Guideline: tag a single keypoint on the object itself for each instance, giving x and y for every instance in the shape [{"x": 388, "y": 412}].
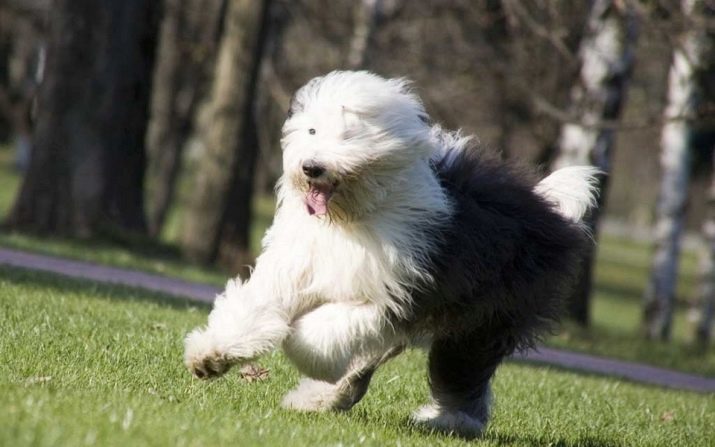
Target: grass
[
  {"x": 85, "y": 364},
  {"x": 9, "y": 180},
  {"x": 621, "y": 274}
]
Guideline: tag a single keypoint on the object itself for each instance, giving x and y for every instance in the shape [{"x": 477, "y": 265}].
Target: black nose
[{"x": 313, "y": 169}]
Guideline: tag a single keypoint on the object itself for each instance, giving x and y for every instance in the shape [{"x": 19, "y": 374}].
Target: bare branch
[
  {"x": 518, "y": 13},
  {"x": 543, "y": 105}
]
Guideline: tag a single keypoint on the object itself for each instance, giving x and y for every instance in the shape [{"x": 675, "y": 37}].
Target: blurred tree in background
[
  {"x": 219, "y": 210},
  {"x": 22, "y": 60},
  {"x": 689, "y": 85},
  {"x": 606, "y": 54},
  {"x": 704, "y": 306},
  {"x": 190, "y": 32},
  {"x": 87, "y": 164}
]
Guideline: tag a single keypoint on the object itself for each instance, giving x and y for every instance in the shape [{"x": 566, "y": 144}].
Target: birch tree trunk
[
  {"x": 706, "y": 287},
  {"x": 224, "y": 178},
  {"x": 690, "y": 58},
  {"x": 189, "y": 36},
  {"x": 606, "y": 54}
]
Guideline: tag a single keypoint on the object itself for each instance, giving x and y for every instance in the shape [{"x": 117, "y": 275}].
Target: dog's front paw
[{"x": 203, "y": 357}]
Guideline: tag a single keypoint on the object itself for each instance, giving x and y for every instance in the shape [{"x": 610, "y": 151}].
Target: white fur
[
  {"x": 323, "y": 285},
  {"x": 241, "y": 327},
  {"x": 311, "y": 395},
  {"x": 449, "y": 421},
  {"x": 325, "y": 342},
  {"x": 370, "y": 134},
  {"x": 573, "y": 190}
]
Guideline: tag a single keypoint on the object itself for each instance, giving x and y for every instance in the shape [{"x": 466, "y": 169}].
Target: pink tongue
[{"x": 317, "y": 201}]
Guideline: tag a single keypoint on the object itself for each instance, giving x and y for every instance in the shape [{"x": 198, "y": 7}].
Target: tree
[
  {"x": 692, "y": 60},
  {"x": 87, "y": 166},
  {"x": 706, "y": 287},
  {"x": 21, "y": 66},
  {"x": 367, "y": 13},
  {"x": 606, "y": 54},
  {"x": 219, "y": 211},
  {"x": 190, "y": 31}
]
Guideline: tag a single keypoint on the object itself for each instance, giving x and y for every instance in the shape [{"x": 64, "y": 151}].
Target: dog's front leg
[
  {"x": 338, "y": 346},
  {"x": 248, "y": 320}
]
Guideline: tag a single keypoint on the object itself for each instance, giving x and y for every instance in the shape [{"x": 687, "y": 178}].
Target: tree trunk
[
  {"x": 87, "y": 166},
  {"x": 507, "y": 102},
  {"x": 124, "y": 108},
  {"x": 689, "y": 60},
  {"x": 606, "y": 54},
  {"x": 367, "y": 13},
  {"x": 272, "y": 102},
  {"x": 220, "y": 207},
  {"x": 189, "y": 36},
  {"x": 706, "y": 288}
]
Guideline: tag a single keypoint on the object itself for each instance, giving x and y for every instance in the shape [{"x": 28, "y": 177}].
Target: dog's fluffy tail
[{"x": 573, "y": 190}]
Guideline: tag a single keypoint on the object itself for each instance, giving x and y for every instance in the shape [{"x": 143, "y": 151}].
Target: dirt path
[{"x": 552, "y": 357}]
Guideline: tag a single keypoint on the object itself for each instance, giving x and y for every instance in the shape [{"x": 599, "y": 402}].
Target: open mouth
[{"x": 317, "y": 197}]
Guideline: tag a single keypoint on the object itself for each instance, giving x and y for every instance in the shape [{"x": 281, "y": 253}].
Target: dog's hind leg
[
  {"x": 460, "y": 370},
  {"x": 325, "y": 342},
  {"x": 315, "y": 395},
  {"x": 338, "y": 346}
]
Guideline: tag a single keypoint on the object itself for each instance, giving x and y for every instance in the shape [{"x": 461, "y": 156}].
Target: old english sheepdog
[{"x": 389, "y": 232}]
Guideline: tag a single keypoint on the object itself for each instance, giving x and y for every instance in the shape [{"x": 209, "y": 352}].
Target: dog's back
[
  {"x": 506, "y": 261},
  {"x": 508, "y": 255}
]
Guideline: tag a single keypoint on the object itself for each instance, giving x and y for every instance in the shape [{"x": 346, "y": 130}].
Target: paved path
[
  {"x": 112, "y": 275},
  {"x": 553, "y": 357}
]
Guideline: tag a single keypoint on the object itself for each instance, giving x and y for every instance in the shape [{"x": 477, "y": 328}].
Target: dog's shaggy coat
[{"x": 389, "y": 232}]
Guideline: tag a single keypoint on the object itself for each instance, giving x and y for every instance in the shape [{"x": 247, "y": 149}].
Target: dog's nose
[{"x": 313, "y": 169}]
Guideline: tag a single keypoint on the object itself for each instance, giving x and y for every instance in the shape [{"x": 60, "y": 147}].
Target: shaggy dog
[{"x": 390, "y": 232}]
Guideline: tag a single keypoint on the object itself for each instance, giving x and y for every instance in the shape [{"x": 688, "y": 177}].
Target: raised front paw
[{"x": 203, "y": 357}]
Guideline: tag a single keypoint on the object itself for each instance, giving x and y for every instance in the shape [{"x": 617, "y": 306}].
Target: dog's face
[{"x": 348, "y": 138}]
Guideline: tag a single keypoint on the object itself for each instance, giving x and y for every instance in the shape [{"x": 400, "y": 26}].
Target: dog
[{"x": 390, "y": 232}]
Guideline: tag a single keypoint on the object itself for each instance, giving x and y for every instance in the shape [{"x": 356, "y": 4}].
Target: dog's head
[{"x": 348, "y": 138}]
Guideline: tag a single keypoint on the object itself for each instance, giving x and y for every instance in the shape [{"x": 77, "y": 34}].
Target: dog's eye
[{"x": 311, "y": 131}]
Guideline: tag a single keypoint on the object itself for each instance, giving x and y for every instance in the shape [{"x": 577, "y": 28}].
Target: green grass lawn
[
  {"x": 9, "y": 180},
  {"x": 621, "y": 275},
  {"x": 85, "y": 364}
]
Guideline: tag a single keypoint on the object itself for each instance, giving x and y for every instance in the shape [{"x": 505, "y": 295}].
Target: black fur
[{"x": 505, "y": 262}]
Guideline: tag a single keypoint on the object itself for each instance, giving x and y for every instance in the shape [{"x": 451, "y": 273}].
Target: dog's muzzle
[
  {"x": 320, "y": 189},
  {"x": 313, "y": 169}
]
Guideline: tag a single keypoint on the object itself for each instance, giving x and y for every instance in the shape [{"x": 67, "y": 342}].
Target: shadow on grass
[
  {"x": 500, "y": 438},
  {"x": 111, "y": 238},
  {"x": 101, "y": 290},
  {"x": 582, "y": 441},
  {"x": 405, "y": 425}
]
